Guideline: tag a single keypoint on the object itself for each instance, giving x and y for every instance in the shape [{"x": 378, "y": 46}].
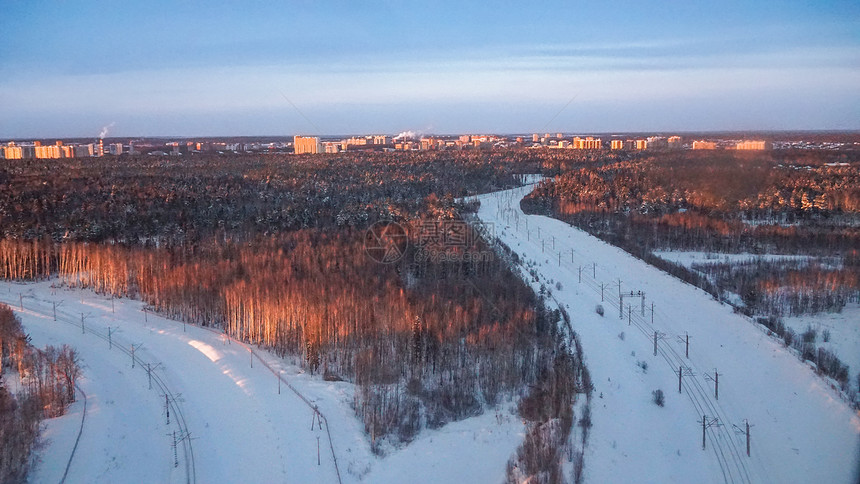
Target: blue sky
[{"x": 277, "y": 68}]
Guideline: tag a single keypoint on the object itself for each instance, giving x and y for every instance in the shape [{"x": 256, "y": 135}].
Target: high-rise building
[
  {"x": 47, "y": 151},
  {"x": 704, "y": 145},
  {"x": 380, "y": 139},
  {"x": 641, "y": 144},
  {"x": 306, "y": 144},
  {"x": 617, "y": 144},
  {"x": 674, "y": 142},
  {"x": 588, "y": 143},
  {"x": 82, "y": 151},
  {"x": 115, "y": 148},
  {"x": 12, "y": 151},
  {"x": 535, "y": 138},
  {"x": 752, "y": 145}
]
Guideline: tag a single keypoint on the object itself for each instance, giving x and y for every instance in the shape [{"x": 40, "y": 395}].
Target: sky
[{"x": 213, "y": 68}]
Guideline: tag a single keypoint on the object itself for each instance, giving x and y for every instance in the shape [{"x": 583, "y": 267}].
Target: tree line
[{"x": 46, "y": 386}]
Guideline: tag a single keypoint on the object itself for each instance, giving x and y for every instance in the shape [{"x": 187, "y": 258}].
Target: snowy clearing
[
  {"x": 802, "y": 431},
  {"x": 688, "y": 258}
]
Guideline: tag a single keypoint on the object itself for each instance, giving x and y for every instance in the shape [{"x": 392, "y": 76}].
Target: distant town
[{"x": 406, "y": 141}]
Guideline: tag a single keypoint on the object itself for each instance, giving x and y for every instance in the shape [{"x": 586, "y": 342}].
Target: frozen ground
[
  {"x": 844, "y": 327},
  {"x": 241, "y": 428},
  {"x": 688, "y": 258},
  {"x": 802, "y": 431}
]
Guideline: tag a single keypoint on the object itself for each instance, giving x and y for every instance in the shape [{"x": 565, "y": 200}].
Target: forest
[
  {"x": 46, "y": 386},
  {"x": 799, "y": 203},
  {"x": 272, "y": 249}
]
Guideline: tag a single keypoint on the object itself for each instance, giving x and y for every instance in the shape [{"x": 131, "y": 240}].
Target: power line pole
[
  {"x": 657, "y": 336},
  {"x": 601, "y": 292},
  {"x": 686, "y": 340},
  {"x": 580, "y": 273},
  {"x": 594, "y": 270},
  {"x": 652, "y": 313},
  {"x": 134, "y": 347},
  {"x": 682, "y": 372},
  {"x": 716, "y": 380},
  {"x": 110, "y": 339},
  {"x": 745, "y": 432},
  {"x": 707, "y": 423}
]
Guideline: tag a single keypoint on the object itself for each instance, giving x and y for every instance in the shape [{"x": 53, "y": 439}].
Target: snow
[
  {"x": 844, "y": 326},
  {"x": 844, "y": 330},
  {"x": 242, "y": 429},
  {"x": 803, "y": 431},
  {"x": 688, "y": 258}
]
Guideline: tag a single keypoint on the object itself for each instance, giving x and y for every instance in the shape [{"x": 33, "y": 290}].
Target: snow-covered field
[
  {"x": 241, "y": 428},
  {"x": 688, "y": 258},
  {"x": 844, "y": 327},
  {"x": 802, "y": 431}
]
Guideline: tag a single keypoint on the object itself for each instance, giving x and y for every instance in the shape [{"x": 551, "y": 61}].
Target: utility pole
[
  {"x": 167, "y": 407},
  {"x": 745, "y": 431},
  {"x": 601, "y": 292},
  {"x": 706, "y": 423},
  {"x": 657, "y": 336},
  {"x": 716, "y": 380},
  {"x": 175, "y": 455},
  {"x": 643, "y": 304},
  {"x": 559, "y": 259},
  {"x": 251, "y": 354},
  {"x": 149, "y": 369},
  {"x": 682, "y": 372},
  {"x": 580, "y": 273},
  {"x": 571, "y": 256},
  {"x": 686, "y": 340},
  {"x": 145, "y": 319},
  {"x": 629, "y": 315},
  {"x": 553, "y": 242},
  {"x": 318, "y": 450},
  {"x": 111, "y": 304},
  {"x": 542, "y": 243},
  {"x": 21, "y": 300},
  {"x": 652, "y": 313},
  {"x": 110, "y": 340},
  {"x": 134, "y": 347},
  {"x": 279, "y": 381},
  {"x": 594, "y": 270}
]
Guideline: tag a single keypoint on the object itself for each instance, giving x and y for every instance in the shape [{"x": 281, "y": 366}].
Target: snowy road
[{"x": 801, "y": 430}]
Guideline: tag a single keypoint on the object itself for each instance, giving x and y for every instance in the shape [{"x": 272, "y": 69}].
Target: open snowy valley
[
  {"x": 240, "y": 414},
  {"x": 801, "y": 429}
]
